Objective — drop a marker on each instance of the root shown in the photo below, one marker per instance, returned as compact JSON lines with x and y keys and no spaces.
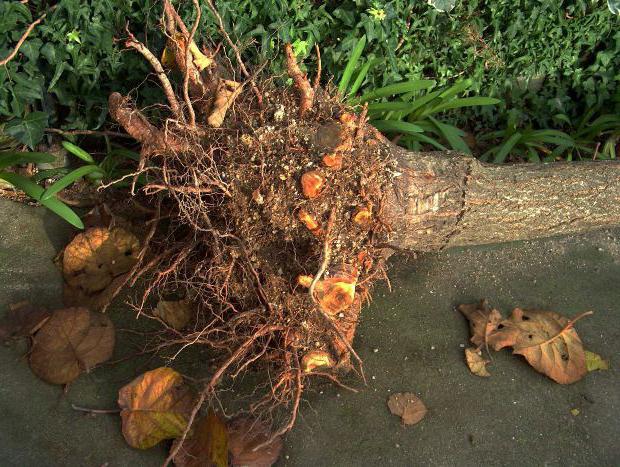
{"x":225,"y":194}
{"x":302,"y":84}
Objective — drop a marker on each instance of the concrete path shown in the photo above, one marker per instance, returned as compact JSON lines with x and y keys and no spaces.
{"x":410,"y":340}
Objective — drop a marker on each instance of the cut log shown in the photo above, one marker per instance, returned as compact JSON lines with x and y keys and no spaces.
{"x":445,"y":199}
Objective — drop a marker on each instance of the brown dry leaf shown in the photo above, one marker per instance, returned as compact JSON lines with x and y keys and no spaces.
{"x":547,"y":340}
{"x":95,"y":261}
{"x":207,"y":446}
{"x":155,"y":406}
{"x":175,"y":313}
{"x":408,"y":406}
{"x":227,"y":92}
{"x":72,"y":341}
{"x":23,"y":319}
{"x":477,"y":365}
{"x":244,"y":435}
{"x":482,"y":320}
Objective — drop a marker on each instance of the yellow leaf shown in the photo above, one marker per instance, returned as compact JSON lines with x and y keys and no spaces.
{"x":155,"y":406}
{"x":201,"y":61}
{"x":595,"y":362}
{"x":477,"y":365}
{"x":207,"y":446}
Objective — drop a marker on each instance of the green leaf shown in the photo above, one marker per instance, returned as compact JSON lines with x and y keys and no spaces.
{"x":28,"y":130}
{"x":595,"y":362}
{"x":79,"y":152}
{"x":457,"y":88}
{"x":506,"y":147}
{"x":68,"y":180}
{"x":398,"y":88}
{"x":396,"y":126}
{"x":466,"y":102}
{"x":351,"y":65}
{"x":428,"y":140}
{"x":10,"y":158}
{"x":452,"y":135}
{"x":389,"y":106}
{"x":35,"y":191}
{"x":361,"y":75}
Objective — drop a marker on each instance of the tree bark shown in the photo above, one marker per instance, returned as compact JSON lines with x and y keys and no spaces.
{"x":445,"y":199}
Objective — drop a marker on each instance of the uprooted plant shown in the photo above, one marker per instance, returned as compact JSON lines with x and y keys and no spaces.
{"x":273,"y":210}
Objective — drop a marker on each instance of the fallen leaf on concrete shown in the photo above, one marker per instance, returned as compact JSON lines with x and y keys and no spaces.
{"x":408,"y":406}
{"x":595,"y":362}
{"x":547,"y":340}
{"x":244,"y":435}
{"x":155,"y":406}
{"x":482,"y":320}
{"x":94,"y":261}
{"x":72,"y":341}
{"x":175,"y":313}
{"x":207,"y":446}
{"x":477,"y":365}
{"x":575,"y":412}
{"x":23,"y":319}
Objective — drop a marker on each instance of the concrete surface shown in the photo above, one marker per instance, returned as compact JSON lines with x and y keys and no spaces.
{"x":410,"y":340}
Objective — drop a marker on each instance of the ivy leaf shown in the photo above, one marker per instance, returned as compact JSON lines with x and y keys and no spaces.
{"x":614,"y":6}
{"x":27,"y":130}
{"x":442,"y":5}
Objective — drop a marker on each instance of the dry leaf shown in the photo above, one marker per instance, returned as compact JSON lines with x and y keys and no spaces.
{"x":72,"y":341}
{"x":408,"y":406}
{"x":547,"y":340}
{"x":244,"y":435}
{"x":595,"y":362}
{"x":482,"y":320}
{"x":316,"y":359}
{"x":22,"y":320}
{"x":227,"y":92}
{"x":175,"y":313}
{"x":155,"y":406}
{"x":95,"y":261}
{"x":207,"y":446}
{"x":477,"y":365}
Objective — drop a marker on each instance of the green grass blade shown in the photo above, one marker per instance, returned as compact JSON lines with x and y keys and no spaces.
{"x":394,"y":106}
{"x":68,"y":179}
{"x":506,"y":147}
{"x":10,"y":158}
{"x":351,"y":65}
{"x":396,"y":126}
{"x":453,"y":135}
{"x":466,"y":102}
{"x":77,"y":151}
{"x":457,"y":88}
{"x":428,"y":140}
{"x":35,"y":191}
{"x":361,"y":75}
{"x":398,"y":88}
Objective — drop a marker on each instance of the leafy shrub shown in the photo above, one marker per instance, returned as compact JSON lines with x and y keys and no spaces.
{"x":541,"y":57}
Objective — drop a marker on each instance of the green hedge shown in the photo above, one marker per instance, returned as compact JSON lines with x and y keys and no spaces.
{"x":542,"y":57}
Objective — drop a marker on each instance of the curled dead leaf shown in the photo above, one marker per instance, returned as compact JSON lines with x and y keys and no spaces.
{"x":316,"y":359}
{"x":482,"y":320}
{"x":175,"y":313}
{"x":72,"y":341}
{"x":408,"y":406}
{"x":207,"y":445}
{"x":547,"y":340}
{"x":23,"y":319}
{"x":477,"y":365}
{"x":94,"y":261}
{"x":155,"y":406}
{"x":244,"y":435}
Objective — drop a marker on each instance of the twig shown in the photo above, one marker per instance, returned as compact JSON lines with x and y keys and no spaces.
{"x":317,"y":78}
{"x":103,"y":133}
{"x":188,"y":63}
{"x":85,"y":409}
{"x":244,"y":70}
{"x":133,"y":43}
{"x":24,"y":36}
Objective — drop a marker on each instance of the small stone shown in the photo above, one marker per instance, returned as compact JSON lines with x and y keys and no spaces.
{"x":462,"y":346}
{"x":375,"y":350}
{"x":432,"y":347}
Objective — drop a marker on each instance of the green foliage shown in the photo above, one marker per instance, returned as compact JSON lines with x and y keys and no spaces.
{"x":109,"y":169}
{"x":540,"y":57}
{"x":411,"y":113}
